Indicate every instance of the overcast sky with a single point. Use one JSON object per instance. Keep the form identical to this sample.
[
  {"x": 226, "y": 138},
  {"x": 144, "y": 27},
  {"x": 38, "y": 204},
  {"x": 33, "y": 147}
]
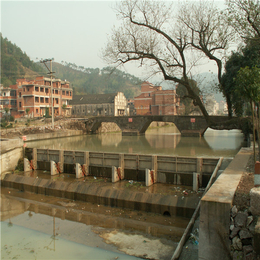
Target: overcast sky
[{"x": 71, "y": 31}]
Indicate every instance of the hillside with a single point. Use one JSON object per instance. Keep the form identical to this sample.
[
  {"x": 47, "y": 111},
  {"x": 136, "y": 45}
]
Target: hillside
[
  {"x": 97, "y": 81},
  {"x": 16, "y": 64}
]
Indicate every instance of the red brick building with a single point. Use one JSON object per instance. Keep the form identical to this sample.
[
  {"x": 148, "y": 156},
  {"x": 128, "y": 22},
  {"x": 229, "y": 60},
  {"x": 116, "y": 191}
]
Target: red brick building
[
  {"x": 33, "y": 97},
  {"x": 155, "y": 101}
]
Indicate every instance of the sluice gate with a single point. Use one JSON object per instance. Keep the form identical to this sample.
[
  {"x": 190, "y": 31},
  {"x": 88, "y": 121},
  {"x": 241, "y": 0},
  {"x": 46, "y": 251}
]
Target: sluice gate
[{"x": 186, "y": 171}]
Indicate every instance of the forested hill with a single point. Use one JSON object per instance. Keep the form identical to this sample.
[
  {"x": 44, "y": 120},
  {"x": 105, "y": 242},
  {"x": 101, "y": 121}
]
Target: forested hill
[
  {"x": 97, "y": 81},
  {"x": 16, "y": 64}
]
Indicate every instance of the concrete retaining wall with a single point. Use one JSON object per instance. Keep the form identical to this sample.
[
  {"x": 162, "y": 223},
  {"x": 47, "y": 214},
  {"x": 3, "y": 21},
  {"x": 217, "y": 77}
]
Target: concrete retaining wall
[
  {"x": 215, "y": 210},
  {"x": 9, "y": 159},
  {"x": 53, "y": 135}
]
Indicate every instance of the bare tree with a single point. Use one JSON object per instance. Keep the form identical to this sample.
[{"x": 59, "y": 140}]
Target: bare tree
[
  {"x": 244, "y": 16},
  {"x": 171, "y": 45}
]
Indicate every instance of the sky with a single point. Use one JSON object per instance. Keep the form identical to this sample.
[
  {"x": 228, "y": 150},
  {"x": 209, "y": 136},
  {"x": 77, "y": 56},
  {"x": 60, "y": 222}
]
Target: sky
[{"x": 71, "y": 31}]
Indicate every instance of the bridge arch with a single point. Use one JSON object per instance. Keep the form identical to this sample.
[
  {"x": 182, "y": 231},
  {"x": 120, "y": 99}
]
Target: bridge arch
[{"x": 135, "y": 125}]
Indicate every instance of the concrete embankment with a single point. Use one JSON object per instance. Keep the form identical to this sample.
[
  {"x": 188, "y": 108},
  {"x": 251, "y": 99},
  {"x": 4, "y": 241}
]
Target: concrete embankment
[
  {"x": 53, "y": 135},
  {"x": 216, "y": 207},
  {"x": 12, "y": 149}
]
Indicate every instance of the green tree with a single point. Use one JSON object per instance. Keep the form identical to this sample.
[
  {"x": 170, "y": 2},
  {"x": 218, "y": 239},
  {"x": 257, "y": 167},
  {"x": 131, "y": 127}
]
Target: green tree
[
  {"x": 246, "y": 56},
  {"x": 248, "y": 87}
]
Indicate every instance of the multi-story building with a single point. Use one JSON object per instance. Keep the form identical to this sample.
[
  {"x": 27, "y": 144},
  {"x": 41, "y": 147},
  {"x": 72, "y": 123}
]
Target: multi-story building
[
  {"x": 155, "y": 101},
  {"x": 33, "y": 97},
  {"x": 100, "y": 105},
  {"x": 7, "y": 99}
]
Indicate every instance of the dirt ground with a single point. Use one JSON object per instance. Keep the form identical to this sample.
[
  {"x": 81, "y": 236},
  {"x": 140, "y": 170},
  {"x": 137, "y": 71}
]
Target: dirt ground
[{"x": 41, "y": 126}]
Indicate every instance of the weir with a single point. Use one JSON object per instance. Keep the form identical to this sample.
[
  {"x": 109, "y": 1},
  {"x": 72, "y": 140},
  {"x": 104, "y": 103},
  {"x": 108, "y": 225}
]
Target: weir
[{"x": 94, "y": 185}]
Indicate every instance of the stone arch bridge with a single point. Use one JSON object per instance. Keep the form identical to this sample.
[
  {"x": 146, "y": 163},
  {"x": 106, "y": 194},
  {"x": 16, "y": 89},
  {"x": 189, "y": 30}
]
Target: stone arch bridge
[{"x": 136, "y": 125}]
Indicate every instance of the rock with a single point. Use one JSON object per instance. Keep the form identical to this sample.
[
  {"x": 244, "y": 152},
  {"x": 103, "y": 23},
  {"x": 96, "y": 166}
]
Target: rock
[
  {"x": 236, "y": 243},
  {"x": 234, "y": 211},
  {"x": 241, "y": 219},
  {"x": 232, "y": 227},
  {"x": 247, "y": 249},
  {"x": 249, "y": 220},
  {"x": 237, "y": 255},
  {"x": 234, "y": 232},
  {"x": 244, "y": 233},
  {"x": 250, "y": 256}
]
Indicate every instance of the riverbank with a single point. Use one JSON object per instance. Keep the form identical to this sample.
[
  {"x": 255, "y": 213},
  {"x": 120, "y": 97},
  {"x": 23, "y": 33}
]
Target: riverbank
[{"x": 44, "y": 126}]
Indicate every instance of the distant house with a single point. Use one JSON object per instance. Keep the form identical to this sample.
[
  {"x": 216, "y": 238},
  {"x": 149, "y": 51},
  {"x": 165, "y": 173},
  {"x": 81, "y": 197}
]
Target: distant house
[
  {"x": 99, "y": 105},
  {"x": 153, "y": 100}
]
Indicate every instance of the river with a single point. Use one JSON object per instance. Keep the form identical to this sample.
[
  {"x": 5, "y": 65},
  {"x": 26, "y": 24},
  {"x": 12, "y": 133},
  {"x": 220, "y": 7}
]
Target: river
[
  {"x": 29, "y": 229},
  {"x": 163, "y": 141}
]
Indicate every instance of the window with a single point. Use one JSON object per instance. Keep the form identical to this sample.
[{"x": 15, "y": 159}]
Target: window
[
  {"x": 46, "y": 90},
  {"x": 20, "y": 94},
  {"x": 37, "y": 89},
  {"x": 37, "y": 110},
  {"x": 63, "y": 92},
  {"x": 20, "y": 104},
  {"x": 56, "y": 91},
  {"x": 42, "y": 89},
  {"x": 37, "y": 99},
  {"x": 42, "y": 100},
  {"x": 46, "y": 100}
]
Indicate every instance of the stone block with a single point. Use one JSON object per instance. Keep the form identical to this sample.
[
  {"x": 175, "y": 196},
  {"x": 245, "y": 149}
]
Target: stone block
[
  {"x": 241, "y": 219},
  {"x": 255, "y": 201},
  {"x": 256, "y": 240}
]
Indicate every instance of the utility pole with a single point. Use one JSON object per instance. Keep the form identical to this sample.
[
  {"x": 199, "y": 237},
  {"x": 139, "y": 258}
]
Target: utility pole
[{"x": 50, "y": 73}]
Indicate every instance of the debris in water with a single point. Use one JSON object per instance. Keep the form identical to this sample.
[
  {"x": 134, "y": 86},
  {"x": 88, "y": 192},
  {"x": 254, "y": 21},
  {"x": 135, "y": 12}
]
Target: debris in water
[{"x": 95, "y": 177}]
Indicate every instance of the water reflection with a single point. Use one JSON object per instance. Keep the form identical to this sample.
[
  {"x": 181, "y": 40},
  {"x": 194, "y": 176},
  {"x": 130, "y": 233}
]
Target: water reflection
[{"x": 165, "y": 141}]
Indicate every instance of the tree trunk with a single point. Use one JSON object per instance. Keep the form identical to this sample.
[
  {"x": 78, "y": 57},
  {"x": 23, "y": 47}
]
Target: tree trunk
[{"x": 253, "y": 121}]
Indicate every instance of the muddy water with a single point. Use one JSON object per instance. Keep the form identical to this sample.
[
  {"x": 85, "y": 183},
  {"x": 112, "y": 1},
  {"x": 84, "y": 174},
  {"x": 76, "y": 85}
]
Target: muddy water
[
  {"x": 42, "y": 227},
  {"x": 165, "y": 141}
]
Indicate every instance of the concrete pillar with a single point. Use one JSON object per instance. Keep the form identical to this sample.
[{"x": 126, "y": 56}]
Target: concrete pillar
[
  {"x": 61, "y": 160},
  {"x": 35, "y": 158},
  {"x": 196, "y": 177},
  {"x": 86, "y": 160},
  {"x": 116, "y": 174},
  {"x": 79, "y": 172},
  {"x": 150, "y": 177},
  {"x": 54, "y": 170},
  {"x": 154, "y": 167},
  {"x": 121, "y": 165},
  {"x": 26, "y": 165}
]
